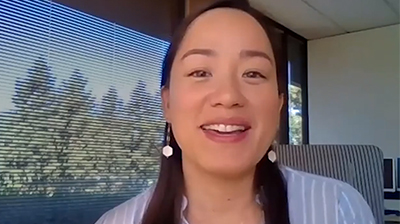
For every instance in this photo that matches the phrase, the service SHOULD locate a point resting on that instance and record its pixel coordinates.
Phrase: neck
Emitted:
(215, 199)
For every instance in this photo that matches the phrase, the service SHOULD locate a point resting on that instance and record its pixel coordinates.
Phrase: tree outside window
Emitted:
(295, 111)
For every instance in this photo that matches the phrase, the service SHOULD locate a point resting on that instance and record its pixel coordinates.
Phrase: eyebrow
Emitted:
(210, 52)
(254, 53)
(205, 52)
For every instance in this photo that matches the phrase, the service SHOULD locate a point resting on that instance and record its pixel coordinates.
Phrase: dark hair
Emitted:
(165, 204)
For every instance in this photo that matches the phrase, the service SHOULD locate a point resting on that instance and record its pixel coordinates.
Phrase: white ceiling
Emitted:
(315, 19)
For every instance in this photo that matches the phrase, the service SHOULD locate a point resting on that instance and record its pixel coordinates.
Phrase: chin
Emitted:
(228, 169)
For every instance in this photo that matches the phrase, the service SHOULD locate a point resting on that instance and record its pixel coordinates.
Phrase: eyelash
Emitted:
(194, 74)
(204, 74)
(257, 74)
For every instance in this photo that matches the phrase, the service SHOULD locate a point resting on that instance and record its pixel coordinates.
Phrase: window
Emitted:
(295, 106)
(74, 138)
(297, 91)
(291, 61)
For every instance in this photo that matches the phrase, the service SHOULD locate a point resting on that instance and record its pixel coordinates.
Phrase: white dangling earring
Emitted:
(271, 153)
(167, 150)
(272, 156)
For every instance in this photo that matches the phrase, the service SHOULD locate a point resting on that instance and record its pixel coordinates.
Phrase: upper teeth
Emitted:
(224, 128)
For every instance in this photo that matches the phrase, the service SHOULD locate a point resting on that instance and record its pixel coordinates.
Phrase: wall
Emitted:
(353, 83)
(194, 5)
(157, 18)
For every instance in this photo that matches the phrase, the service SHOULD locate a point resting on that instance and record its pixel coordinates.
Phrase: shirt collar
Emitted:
(185, 203)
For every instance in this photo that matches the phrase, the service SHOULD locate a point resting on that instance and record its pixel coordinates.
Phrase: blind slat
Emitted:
(80, 119)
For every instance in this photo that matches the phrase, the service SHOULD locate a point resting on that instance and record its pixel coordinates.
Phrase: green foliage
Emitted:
(295, 119)
(58, 140)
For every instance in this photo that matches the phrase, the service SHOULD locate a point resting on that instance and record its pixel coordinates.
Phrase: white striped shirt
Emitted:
(312, 200)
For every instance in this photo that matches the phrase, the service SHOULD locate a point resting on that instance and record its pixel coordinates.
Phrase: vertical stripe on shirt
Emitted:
(303, 193)
(336, 204)
(324, 202)
(313, 202)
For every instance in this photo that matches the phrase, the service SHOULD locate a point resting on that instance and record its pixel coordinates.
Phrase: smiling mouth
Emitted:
(225, 133)
(225, 129)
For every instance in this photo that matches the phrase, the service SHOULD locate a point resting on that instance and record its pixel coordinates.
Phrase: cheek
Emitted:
(270, 107)
(185, 105)
(185, 109)
(267, 111)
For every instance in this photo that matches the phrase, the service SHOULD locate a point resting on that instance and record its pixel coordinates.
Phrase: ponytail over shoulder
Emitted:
(272, 190)
(166, 203)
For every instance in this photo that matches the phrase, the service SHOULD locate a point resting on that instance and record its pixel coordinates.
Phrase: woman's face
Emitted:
(222, 101)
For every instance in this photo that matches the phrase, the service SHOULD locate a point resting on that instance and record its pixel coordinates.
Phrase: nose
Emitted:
(228, 94)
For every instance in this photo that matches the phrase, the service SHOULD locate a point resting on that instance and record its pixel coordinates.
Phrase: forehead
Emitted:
(225, 28)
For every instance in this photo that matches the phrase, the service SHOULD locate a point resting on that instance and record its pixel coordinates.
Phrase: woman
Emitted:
(222, 102)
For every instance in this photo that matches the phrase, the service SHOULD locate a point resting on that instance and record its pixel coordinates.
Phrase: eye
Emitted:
(199, 74)
(253, 74)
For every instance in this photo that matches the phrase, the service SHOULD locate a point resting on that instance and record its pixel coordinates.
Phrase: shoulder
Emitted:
(329, 195)
(293, 176)
(129, 212)
(352, 206)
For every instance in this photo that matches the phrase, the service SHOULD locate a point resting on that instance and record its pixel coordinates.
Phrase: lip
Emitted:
(234, 137)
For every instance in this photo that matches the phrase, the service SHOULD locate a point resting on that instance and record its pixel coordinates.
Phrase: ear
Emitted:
(281, 101)
(165, 103)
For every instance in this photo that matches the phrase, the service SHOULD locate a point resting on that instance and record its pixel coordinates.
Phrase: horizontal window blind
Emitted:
(80, 113)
